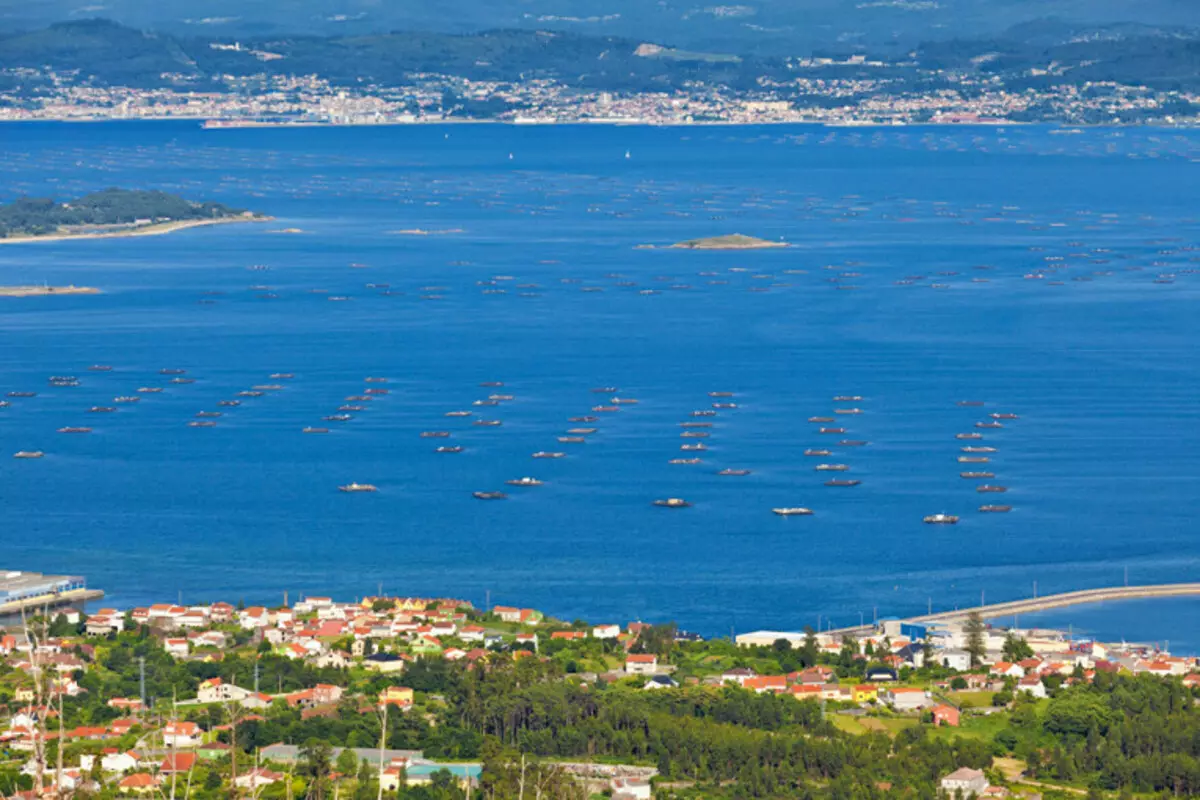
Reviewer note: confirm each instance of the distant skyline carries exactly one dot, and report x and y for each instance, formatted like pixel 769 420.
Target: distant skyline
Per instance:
pixel 765 26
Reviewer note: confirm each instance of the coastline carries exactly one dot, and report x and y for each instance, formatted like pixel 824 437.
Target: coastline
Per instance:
pixel 156 229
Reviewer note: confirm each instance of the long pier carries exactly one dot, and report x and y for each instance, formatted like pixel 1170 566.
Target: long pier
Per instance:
pixel 1045 603
pixel 48 601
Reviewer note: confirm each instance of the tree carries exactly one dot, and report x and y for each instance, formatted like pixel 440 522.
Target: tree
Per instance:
pixel 347 762
pixel 976 644
pixel 781 646
pixel 1016 648
pixel 315 759
pixel 810 650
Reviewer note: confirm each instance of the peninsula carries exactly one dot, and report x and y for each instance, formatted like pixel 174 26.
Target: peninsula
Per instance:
pixel 733 241
pixel 111 213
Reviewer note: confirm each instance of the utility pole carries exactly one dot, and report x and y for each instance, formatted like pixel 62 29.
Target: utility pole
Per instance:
pixel 487 603
pixel 874 615
pixel 256 677
pixel 142 680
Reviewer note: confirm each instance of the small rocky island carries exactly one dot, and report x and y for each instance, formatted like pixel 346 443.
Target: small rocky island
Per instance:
pixel 111 213
pixel 732 241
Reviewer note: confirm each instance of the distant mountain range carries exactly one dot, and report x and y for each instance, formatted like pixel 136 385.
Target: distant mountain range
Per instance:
pixel 760 27
pixel 1032 55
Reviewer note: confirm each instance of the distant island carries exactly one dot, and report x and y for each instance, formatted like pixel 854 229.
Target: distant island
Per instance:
pixel 732 241
pixel 111 213
pixel 43 291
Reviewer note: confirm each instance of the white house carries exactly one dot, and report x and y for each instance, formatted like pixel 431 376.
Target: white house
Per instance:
pixel 631 788
pixel 181 734
pixel 257 777
pixel 176 647
pixel 1033 685
pixel 966 780
pixel 472 633
pixel 641 664
pixel 606 631
pixel 959 660
pixel 110 762
pixel 215 690
pixel 904 699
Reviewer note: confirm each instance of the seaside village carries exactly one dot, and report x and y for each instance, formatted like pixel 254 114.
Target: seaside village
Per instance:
pixel 150 740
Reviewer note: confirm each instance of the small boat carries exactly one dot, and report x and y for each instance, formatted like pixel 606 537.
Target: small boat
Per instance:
pixel 693 448
pixel 372 379
pixel 976 475
pixel 282 376
pixel 524 482
pixel 572 439
pixel 704 412
pixel 672 502
pixel 581 431
pixel 22 394
pixel 126 399
pixel 267 387
pixel 172 371
pixel 734 472
pixel 582 419
pixel 63 380
pixel 941 519
pixel 832 467
pixel 249 393
pixel 202 423
pixel 74 429
pixel 337 418
pixel 831 430
pixel 203 414
pixel 99 368
pixel 978 449
pixel 793 511
pixel 684 461
pixel 605 390
pixel 101 410
pixel 487 423
pixel 4 404
pixel 995 509
pixel 150 390
pixel 694 434
pixel 623 401
pixel 489 495
pixel 358 398
pixel 311 429
pixel 491 384
pixel 724 405
pixel 28 454
pixel 991 489
pixel 847 411
pixel 435 434
pixel 229 403
pixel 351 407
pixel 182 381
pixel 842 482
pixel 853 443
pixel 970 403
pixel 695 424
pixel 817 452
pixel 500 397
pixel 454 448
pixel 357 487
pixel 988 425
pixel 720 394
pixel 1003 416
pixel 458 413
pixel 606 409
pixel 374 391
pixel 486 403
pixel 848 398
pixel 973 459
pixel 547 454
pixel 968 436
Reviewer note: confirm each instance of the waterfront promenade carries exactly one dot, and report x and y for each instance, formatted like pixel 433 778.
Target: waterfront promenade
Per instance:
pixel 1015 608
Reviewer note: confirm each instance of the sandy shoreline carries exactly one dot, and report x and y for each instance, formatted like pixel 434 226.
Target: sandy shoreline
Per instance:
pixel 146 230
pixel 45 291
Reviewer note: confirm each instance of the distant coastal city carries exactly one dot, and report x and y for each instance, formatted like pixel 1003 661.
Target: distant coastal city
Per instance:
pixel 1088 76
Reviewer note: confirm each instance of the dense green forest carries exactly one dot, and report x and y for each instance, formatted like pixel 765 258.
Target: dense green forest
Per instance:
pixel 1117 733
pixel 36 216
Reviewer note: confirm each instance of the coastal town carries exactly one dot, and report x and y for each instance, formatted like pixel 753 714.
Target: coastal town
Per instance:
pixel 812 97
pixel 179 700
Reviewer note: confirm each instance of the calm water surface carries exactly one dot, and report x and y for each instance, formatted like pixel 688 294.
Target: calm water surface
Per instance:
pixel 533 277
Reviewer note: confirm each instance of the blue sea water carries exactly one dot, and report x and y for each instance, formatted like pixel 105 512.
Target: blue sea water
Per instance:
pixel 1093 350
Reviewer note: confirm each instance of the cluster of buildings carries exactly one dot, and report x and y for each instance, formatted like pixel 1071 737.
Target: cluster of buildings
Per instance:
pixel 881 95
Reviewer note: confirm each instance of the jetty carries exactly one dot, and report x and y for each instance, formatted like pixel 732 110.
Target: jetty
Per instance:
pixel 1009 608
pixel 21 591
